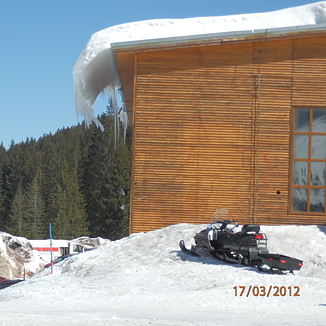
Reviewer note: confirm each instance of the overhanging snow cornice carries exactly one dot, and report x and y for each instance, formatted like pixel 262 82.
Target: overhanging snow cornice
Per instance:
pixel 217 38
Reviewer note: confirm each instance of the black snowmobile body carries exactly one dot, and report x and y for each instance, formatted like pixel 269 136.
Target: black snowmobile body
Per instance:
pixel 247 247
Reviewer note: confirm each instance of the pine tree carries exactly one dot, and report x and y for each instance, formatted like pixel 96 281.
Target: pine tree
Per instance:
pixel 68 206
pixel 121 179
pixel 103 174
pixel 12 175
pixel 17 218
pixel 3 161
pixel 67 178
pixel 35 214
pixel 50 167
pixel 96 166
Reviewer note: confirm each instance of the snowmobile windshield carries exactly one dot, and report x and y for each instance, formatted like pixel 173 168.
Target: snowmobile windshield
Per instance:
pixel 219 215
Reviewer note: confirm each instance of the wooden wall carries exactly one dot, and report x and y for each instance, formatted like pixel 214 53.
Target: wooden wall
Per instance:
pixel 212 129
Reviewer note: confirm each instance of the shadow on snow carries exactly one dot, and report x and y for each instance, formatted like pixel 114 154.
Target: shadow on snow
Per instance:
pixel 205 258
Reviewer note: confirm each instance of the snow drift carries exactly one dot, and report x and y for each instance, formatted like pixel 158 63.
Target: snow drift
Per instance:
pixel 17 257
pixel 145 279
pixel 95 71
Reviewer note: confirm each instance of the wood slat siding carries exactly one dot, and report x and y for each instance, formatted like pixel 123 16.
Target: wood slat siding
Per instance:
pixel 212 128
pixel 126 72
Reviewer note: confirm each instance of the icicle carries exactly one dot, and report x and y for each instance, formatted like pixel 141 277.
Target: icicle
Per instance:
pixel 119 117
pixel 124 120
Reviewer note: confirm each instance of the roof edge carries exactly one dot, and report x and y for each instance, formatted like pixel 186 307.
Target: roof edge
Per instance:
pixel 217 37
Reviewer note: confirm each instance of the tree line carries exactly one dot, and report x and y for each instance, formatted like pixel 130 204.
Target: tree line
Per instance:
pixel 70 179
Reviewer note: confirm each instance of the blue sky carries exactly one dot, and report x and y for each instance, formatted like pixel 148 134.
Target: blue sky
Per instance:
pixel 41 41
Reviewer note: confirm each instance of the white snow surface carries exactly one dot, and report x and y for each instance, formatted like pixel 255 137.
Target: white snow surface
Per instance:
pixel 95 71
pixel 17 257
pixel 145 279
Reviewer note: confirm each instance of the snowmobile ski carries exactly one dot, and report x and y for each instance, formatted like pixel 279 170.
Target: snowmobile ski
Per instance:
pixel 187 251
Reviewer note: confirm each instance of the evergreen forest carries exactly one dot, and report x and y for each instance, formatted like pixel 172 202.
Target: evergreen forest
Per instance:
pixel 70 179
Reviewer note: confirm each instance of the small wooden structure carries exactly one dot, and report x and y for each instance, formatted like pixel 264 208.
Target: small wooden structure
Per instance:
pixel 234 120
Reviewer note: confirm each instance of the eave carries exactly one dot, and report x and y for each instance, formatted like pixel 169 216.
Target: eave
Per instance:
pixel 124 52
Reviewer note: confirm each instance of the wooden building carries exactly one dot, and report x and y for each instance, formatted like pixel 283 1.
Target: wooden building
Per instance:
pixel 235 120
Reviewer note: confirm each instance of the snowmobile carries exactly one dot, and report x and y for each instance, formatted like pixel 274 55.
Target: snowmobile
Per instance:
pixel 247 247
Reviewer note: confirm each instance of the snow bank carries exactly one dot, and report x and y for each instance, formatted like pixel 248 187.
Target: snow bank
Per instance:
pixel 95 72
pixel 160 247
pixel 17 257
pixel 301 241
pixel 145 279
pixel 91 243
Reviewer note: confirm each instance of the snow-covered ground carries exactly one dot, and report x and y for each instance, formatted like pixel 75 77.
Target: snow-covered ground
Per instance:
pixel 145 279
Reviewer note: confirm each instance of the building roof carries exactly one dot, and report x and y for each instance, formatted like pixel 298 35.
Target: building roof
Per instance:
pixel 220 37
pixel 96 70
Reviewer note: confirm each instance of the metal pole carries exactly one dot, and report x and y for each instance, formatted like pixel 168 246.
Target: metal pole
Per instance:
pixel 50 229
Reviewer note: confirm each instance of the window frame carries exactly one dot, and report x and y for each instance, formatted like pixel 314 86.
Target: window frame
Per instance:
pixel 309 161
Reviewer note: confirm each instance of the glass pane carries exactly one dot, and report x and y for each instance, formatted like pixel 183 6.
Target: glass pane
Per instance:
pixel 319 120
pixel 317 200
pixel 300 173
pixel 301 146
pixel 318 150
pixel 299 199
pixel 301 120
pixel 318 173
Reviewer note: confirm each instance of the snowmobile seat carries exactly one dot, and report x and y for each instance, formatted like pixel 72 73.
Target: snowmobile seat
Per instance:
pixel 250 228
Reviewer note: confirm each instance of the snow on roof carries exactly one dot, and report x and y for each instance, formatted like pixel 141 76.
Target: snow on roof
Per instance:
pixel 95 71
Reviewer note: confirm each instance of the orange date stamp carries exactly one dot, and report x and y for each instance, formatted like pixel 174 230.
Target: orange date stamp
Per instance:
pixel 266 291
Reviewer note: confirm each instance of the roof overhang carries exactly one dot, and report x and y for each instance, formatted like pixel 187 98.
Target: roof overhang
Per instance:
pixel 218 38
pixel 123 52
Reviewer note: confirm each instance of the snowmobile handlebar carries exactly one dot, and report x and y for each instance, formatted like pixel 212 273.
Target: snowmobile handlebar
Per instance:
pixel 224 224
pixel 226 221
